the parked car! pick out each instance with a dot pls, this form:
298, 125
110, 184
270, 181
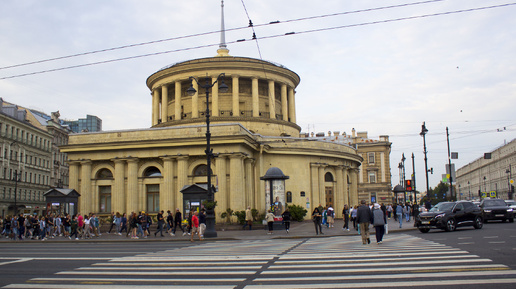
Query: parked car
496, 209
512, 205
450, 215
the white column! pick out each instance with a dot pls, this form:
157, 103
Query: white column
255, 97
339, 194
249, 183
177, 110
155, 107
284, 104
314, 172
132, 186
222, 193
164, 103
195, 100
87, 197
236, 183
236, 98
382, 166
214, 99
166, 194
291, 105
182, 179
272, 100
118, 194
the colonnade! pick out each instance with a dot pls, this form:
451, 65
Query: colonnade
160, 100
344, 192
234, 177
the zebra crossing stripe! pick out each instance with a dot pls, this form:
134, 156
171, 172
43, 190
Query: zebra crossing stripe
120, 286
389, 276
380, 263
386, 284
82, 279
157, 273
370, 270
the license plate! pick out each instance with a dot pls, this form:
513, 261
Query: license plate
425, 222
499, 215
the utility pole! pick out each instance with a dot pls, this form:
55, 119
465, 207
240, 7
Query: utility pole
449, 164
423, 132
413, 177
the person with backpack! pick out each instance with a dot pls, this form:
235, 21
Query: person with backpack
177, 222
161, 222
379, 221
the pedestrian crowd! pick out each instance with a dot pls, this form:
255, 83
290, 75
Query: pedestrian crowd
88, 226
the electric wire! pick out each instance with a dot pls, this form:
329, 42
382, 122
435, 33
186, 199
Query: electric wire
216, 31
265, 37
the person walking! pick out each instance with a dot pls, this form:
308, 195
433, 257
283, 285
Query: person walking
379, 221
202, 223
248, 219
330, 212
270, 221
195, 226
316, 218
161, 221
364, 218
112, 222
389, 211
354, 217
177, 222
170, 222
399, 214
123, 225
286, 219
345, 216
134, 226
406, 211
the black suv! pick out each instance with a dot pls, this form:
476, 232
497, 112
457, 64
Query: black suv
496, 209
450, 215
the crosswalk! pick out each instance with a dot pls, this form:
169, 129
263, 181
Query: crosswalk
334, 262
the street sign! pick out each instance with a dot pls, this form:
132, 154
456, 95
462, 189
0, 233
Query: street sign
512, 182
483, 194
492, 194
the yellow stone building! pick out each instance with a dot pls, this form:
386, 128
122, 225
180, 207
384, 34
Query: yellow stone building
253, 128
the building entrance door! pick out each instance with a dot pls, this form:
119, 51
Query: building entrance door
329, 196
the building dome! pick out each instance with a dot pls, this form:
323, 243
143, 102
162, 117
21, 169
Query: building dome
261, 95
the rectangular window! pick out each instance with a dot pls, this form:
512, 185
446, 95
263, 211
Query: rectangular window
105, 199
372, 177
370, 157
153, 198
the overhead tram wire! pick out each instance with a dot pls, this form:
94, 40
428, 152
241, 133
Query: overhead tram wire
214, 32
255, 39
265, 37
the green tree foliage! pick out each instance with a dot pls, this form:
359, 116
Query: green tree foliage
240, 217
438, 194
298, 213
227, 215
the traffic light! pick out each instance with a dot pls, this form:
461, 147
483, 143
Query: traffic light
408, 186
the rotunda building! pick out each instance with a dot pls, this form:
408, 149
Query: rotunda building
253, 128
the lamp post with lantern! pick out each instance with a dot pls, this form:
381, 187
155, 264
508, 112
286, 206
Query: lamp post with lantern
210, 210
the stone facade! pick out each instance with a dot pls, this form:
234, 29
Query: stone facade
26, 154
374, 175
488, 175
253, 128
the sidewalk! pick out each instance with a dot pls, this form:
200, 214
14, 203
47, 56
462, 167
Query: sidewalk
303, 229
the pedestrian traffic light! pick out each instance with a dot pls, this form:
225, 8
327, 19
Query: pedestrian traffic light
408, 186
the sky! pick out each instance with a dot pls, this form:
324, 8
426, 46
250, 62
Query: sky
384, 67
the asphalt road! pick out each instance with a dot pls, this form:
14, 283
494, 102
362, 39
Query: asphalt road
496, 241
466, 258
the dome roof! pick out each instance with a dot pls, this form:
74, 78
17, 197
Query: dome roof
274, 173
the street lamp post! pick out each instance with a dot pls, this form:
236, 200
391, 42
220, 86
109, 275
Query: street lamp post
423, 132
16, 179
210, 210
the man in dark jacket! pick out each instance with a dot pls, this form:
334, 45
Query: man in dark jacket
364, 219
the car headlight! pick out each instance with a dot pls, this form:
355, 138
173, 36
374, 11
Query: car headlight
439, 216
487, 211
509, 210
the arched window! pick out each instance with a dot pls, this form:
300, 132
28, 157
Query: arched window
152, 172
201, 170
289, 197
328, 177
104, 174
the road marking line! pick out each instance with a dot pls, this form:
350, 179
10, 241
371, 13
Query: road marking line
380, 264
114, 273
490, 237
499, 242
393, 284
466, 243
176, 268
390, 276
369, 270
81, 279
369, 260
124, 286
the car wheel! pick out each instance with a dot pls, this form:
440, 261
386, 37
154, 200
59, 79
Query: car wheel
478, 224
424, 230
450, 225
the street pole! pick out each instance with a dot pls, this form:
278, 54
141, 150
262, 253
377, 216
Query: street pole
414, 177
449, 163
210, 210
424, 131
16, 179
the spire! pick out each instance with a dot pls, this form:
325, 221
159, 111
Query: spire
223, 50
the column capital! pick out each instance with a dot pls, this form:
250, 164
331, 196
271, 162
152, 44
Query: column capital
86, 162
131, 160
237, 155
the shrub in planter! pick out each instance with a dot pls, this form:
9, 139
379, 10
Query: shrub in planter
298, 213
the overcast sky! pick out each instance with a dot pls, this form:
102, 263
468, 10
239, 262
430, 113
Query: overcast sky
373, 74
